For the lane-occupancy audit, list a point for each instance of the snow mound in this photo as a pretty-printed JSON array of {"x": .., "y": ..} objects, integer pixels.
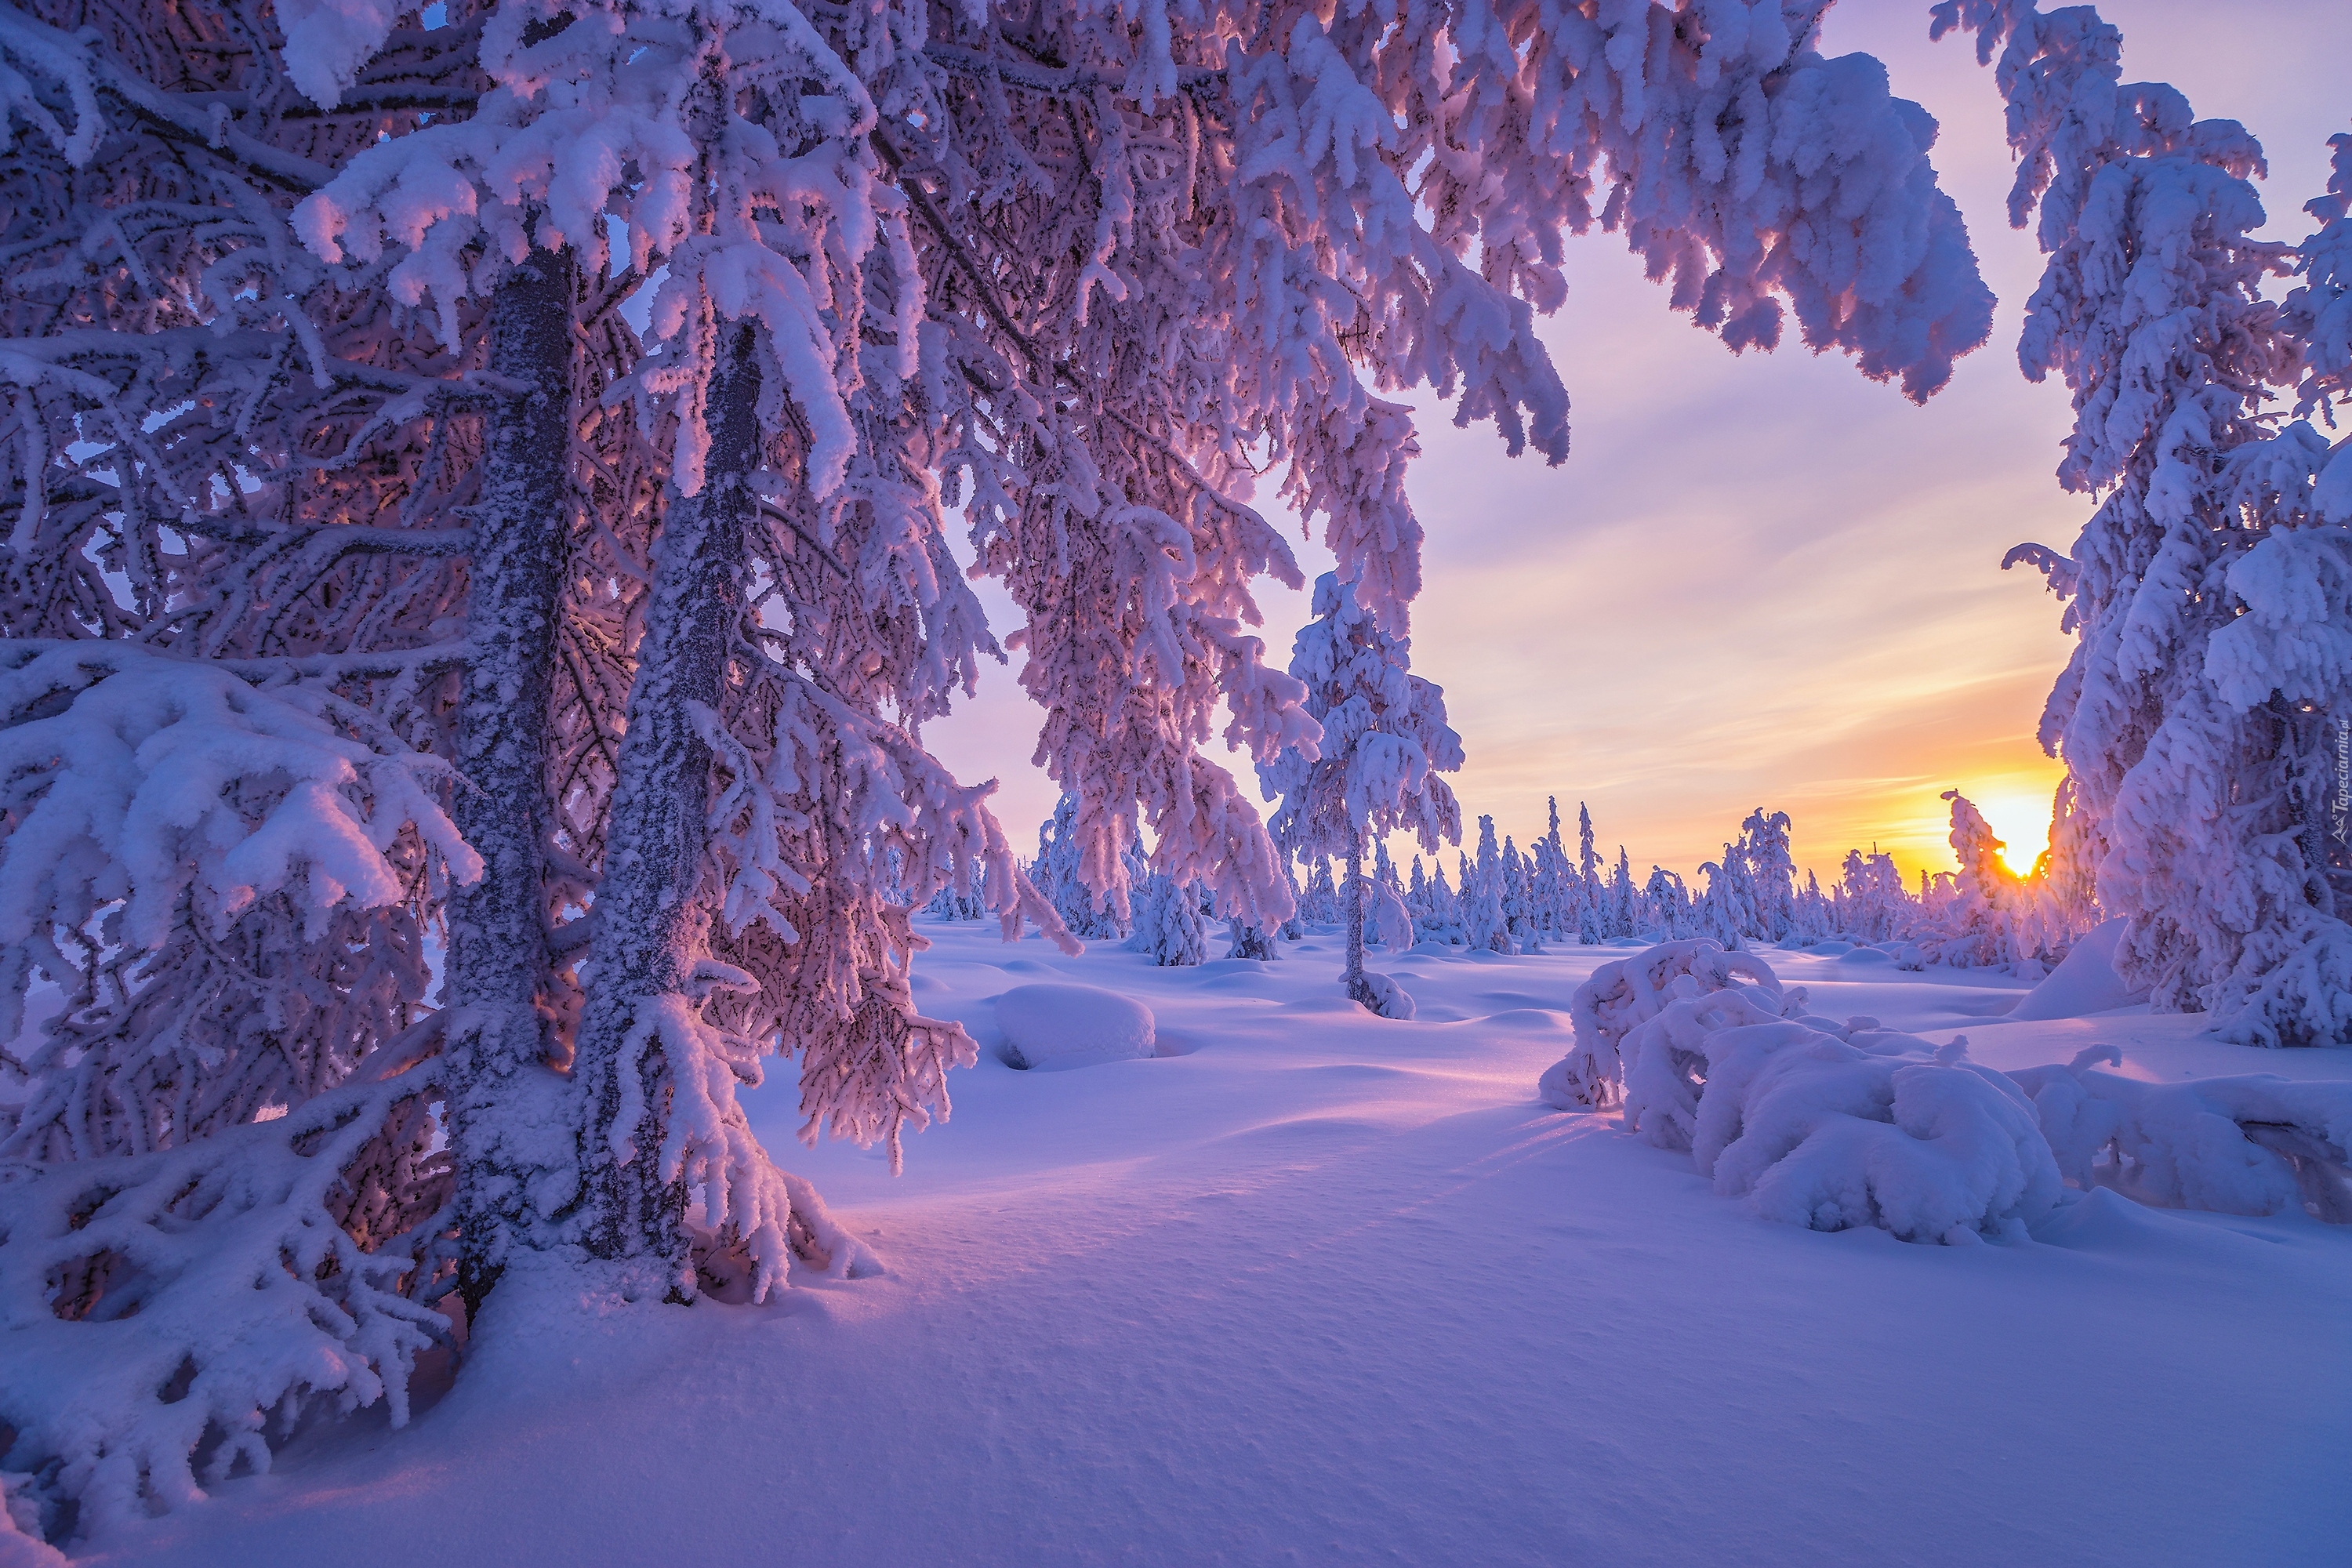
[
  {"x": 1623, "y": 994},
  {"x": 1054, "y": 1027},
  {"x": 2085, "y": 982}
]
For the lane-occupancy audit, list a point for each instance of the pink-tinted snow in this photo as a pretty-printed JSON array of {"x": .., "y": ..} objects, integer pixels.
[{"x": 1312, "y": 1287}]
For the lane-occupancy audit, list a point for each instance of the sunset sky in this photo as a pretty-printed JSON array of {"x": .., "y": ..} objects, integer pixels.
[{"x": 1766, "y": 580}]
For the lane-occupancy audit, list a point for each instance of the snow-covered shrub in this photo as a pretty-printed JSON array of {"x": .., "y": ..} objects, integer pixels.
[
  {"x": 2253, "y": 1145},
  {"x": 1247, "y": 940},
  {"x": 1817, "y": 1123},
  {"x": 1168, "y": 927},
  {"x": 1622, "y": 994},
  {"x": 1386, "y": 999},
  {"x": 1836, "y": 1127},
  {"x": 1663, "y": 1075}
]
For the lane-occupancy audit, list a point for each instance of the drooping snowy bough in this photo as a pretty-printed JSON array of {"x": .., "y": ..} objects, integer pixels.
[{"x": 372, "y": 585}]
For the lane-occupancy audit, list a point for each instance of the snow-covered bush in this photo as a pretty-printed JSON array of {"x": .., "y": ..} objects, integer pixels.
[
  {"x": 1821, "y": 1124},
  {"x": 1627, "y": 993},
  {"x": 1835, "y": 1127},
  {"x": 1244, "y": 940},
  {"x": 2255, "y": 1145}
]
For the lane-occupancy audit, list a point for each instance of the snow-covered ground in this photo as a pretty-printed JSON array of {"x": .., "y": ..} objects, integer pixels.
[{"x": 1315, "y": 1287}]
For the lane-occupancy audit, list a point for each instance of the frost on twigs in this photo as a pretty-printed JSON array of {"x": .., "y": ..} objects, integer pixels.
[
  {"x": 162, "y": 1310},
  {"x": 2252, "y": 1145},
  {"x": 1622, "y": 994},
  {"x": 177, "y": 840}
]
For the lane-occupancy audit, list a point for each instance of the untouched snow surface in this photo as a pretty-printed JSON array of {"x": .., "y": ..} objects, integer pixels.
[{"x": 1313, "y": 1287}]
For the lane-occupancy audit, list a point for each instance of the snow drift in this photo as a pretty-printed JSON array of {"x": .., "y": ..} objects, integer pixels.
[{"x": 2085, "y": 982}]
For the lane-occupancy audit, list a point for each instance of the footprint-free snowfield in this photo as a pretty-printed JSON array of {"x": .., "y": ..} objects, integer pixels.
[{"x": 1311, "y": 1285}]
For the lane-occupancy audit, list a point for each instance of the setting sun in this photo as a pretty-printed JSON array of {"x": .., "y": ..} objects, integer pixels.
[{"x": 2023, "y": 822}]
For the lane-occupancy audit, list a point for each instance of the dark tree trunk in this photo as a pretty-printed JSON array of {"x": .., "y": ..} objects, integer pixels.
[
  {"x": 649, "y": 931},
  {"x": 1358, "y": 988},
  {"x": 497, "y": 1055}
]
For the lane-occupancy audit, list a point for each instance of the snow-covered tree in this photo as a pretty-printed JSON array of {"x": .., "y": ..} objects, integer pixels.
[
  {"x": 1060, "y": 874},
  {"x": 1994, "y": 917},
  {"x": 2193, "y": 718},
  {"x": 1814, "y": 917},
  {"x": 1484, "y": 918},
  {"x": 964, "y": 901},
  {"x": 1385, "y": 740},
  {"x": 1169, "y": 929},
  {"x": 1551, "y": 881},
  {"x": 1321, "y": 902},
  {"x": 1592, "y": 922},
  {"x": 1519, "y": 923},
  {"x": 1870, "y": 902},
  {"x": 1436, "y": 909},
  {"x": 1625, "y": 898},
  {"x": 370, "y": 579},
  {"x": 1669, "y": 902}
]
